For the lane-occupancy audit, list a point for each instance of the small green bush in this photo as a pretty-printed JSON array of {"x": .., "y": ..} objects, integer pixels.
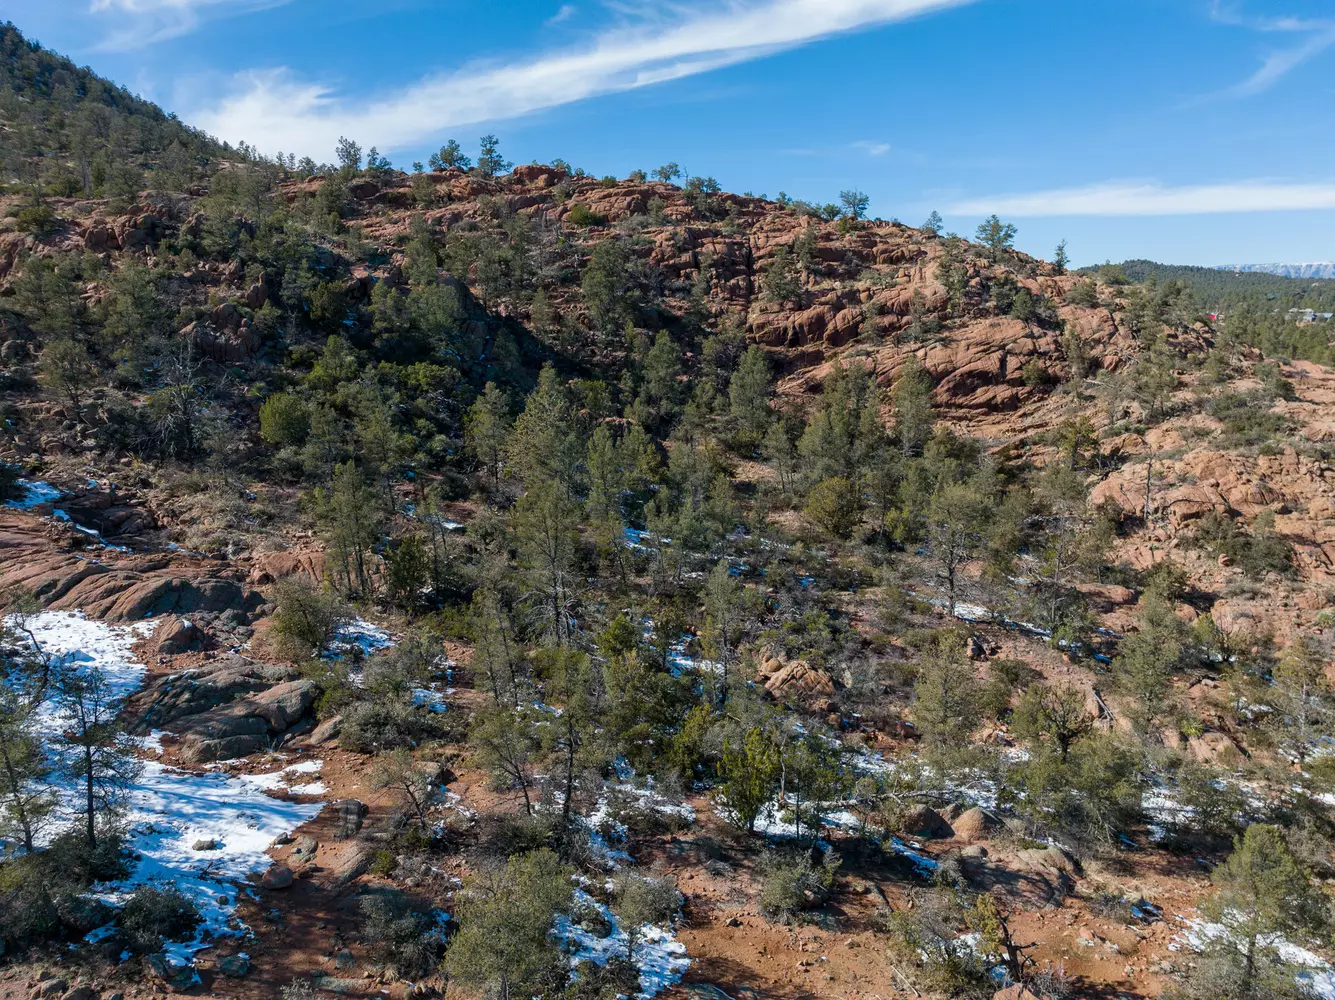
[
  {"x": 835, "y": 506},
  {"x": 1247, "y": 418},
  {"x": 388, "y": 723},
  {"x": 1256, "y": 553},
  {"x": 581, "y": 215},
  {"x": 305, "y": 620},
  {"x": 9, "y": 482},
  {"x": 403, "y": 939},
  {"x": 37, "y": 219},
  {"x": 793, "y": 885},
  {"x": 284, "y": 420},
  {"x": 153, "y": 915}
]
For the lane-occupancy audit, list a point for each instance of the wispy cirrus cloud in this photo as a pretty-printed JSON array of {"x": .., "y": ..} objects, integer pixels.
[
  {"x": 567, "y": 11},
  {"x": 1315, "y": 36},
  {"x": 137, "y": 24},
  {"x": 1148, "y": 198},
  {"x": 275, "y": 109}
]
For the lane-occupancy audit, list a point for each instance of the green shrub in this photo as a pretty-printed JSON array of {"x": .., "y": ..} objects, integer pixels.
[
  {"x": 793, "y": 885},
  {"x": 388, "y": 723},
  {"x": 581, "y": 215},
  {"x": 1247, "y": 418},
  {"x": 36, "y": 219},
  {"x": 9, "y": 482},
  {"x": 403, "y": 940},
  {"x": 153, "y": 915},
  {"x": 1256, "y": 553},
  {"x": 284, "y": 420},
  {"x": 305, "y": 620},
  {"x": 835, "y": 506},
  {"x": 1086, "y": 293}
]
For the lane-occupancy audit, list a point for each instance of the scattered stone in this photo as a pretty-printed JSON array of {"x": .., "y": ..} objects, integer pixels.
[
  {"x": 176, "y": 978},
  {"x": 975, "y": 824},
  {"x": 351, "y": 813},
  {"x": 304, "y": 848},
  {"x": 207, "y": 844},
  {"x": 84, "y": 992},
  {"x": 925, "y": 822},
  {"x": 234, "y": 966},
  {"x": 277, "y": 877}
]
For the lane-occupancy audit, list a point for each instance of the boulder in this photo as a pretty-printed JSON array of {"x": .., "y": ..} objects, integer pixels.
[
  {"x": 226, "y": 316},
  {"x": 99, "y": 238},
  {"x": 351, "y": 813},
  {"x": 926, "y": 823},
  {"x": 176, "y": 635},
  {"x": 1051, "y": 857},
  {"x": 363, "y": 190},
  {"x": 793, "y": 680},
  {"x": 976, "y": 824},
  {"x": 51, "y": 988},
  {"x": 83, "y": 992},
  {"x": 256, "y": 295},
  {"x": 176, "y": 978},
  {"x": 283, "y": 705},
  {"x": 325, "y": 731},
  {"x": 304, "y": 848},
  {"x": 207, "y": 844},
  {"x": 234, "y": 966},
  {"x": 277, "y": 877},
  {"x": 1016, "y": 991},
  {"x": 201, "y": 751}
]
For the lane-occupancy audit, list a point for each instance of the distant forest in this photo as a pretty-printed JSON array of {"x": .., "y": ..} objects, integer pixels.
[{"x": 1216, "y": 290}]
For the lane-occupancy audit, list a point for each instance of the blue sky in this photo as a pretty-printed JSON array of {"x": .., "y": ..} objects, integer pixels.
[{"x": 1187, "y": 131}]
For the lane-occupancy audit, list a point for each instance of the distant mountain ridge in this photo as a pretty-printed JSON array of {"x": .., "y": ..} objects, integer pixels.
[{"x": 1316, "y": 269}]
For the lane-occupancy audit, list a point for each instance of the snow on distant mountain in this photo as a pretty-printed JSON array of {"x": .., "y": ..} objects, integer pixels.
[{"x": 1318, "y": 269}]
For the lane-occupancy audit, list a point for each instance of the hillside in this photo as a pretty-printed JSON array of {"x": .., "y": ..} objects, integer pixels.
[
  {"x": 504, "y": 580},
  {"x": 1315, "y": 269}
]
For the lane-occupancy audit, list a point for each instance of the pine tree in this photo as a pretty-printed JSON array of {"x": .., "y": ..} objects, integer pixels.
[
  {"x": 351, "y": 518},
  {"x": 750, "y": 772},
  {"x": 91, "y": 744},
  {"x": 945, "y": 696},
  {"x": 1059, "y": 258},
  {"x": 1263, "y": 897},
  {"x": 486, "y": 429},
  {"x": 1302, "y": 698},
  {"x": 543, "y": 446},
  {"x": 26, "y": 798},
  {"x": 911, "y": 397},
  {"x": 505, "y": 917},
  {"x": 748, "y": 395}
]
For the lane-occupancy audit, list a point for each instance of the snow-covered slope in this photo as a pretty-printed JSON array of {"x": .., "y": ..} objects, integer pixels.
[{"x": 1316, "y": 269}]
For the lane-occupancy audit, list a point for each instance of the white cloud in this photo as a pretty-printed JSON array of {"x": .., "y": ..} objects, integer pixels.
[
  {"x": 1150, "y": 198},
  {"x": 140, "y": 23},
  {"x": 1276, "y": 64},
  {"x": 274, "y": 109},
  {"x": 872, "y": 148},
  {"x": 567, "y": 11}
]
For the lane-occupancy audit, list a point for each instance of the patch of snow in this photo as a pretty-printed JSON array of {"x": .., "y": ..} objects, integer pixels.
[
  {"x": 167, "y": 810},
  {"x": 35, "y": 493},
  {"x": 432, "y": 699},
  {"x": 288, "y": 779},
  {"x": 659, "y": 956},
  {"x": 1317, "y": 974},
  {"x": 358, "y": 634}
]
